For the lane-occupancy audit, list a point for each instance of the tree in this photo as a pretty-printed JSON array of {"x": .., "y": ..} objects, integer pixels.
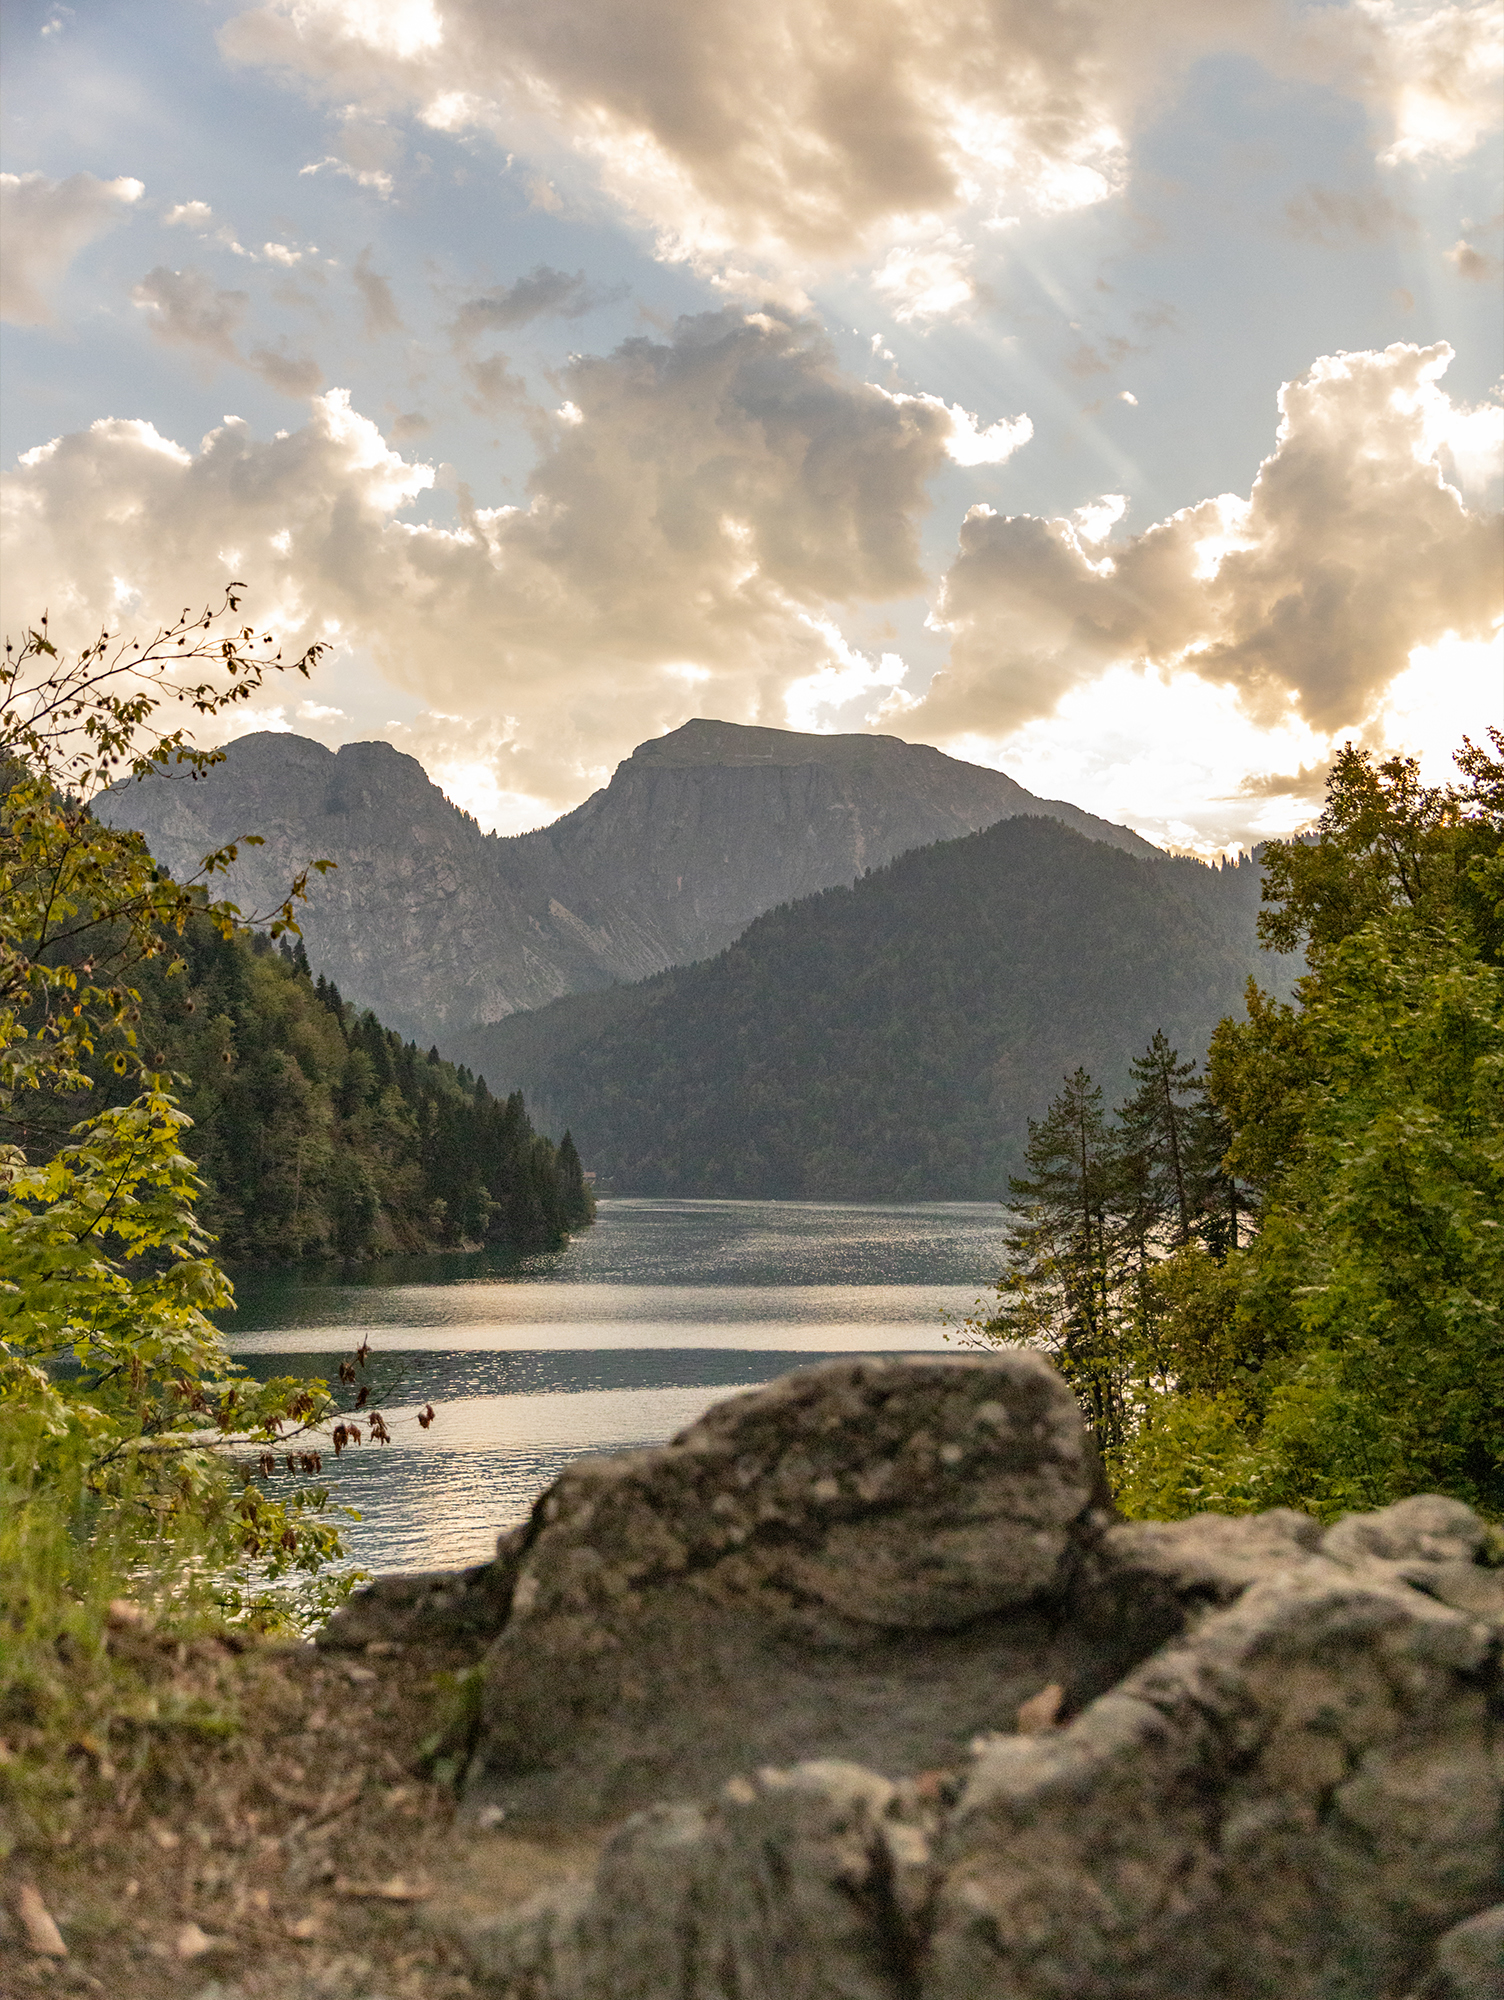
[
  {"x": 1060, "y": 1289},
  {"x": 118, "y": 1399},
  {"x": 1156, "y": 1124},
  {"x": 1344, "y": 1346},
  {"x": 1353, "y": 1350}
]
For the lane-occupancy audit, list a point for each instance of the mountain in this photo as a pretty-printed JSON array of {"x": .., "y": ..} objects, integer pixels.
[
  {"x": 890, "y": 1040},
  {"x": 436, "y": 925}
]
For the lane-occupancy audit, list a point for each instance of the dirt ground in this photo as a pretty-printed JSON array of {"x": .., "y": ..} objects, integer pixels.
[{"x": 305, "y": 1854}]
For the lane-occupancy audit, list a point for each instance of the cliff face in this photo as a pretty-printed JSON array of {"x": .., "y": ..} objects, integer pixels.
[
  {"x": 437, "y": 925},
  {"x": 703, "y": 830}
]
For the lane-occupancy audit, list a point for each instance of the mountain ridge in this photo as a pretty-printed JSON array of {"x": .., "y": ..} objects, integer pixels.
[
  {"x": 891, "y": 1039},
  {"x": 438, "y": 926}
]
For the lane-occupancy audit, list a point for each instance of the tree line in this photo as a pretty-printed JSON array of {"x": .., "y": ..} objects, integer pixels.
[
  {"x": 319, "y": 1132},
  {"x": 1279, "y": 1280}
]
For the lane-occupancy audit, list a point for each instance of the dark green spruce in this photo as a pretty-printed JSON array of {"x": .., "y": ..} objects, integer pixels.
[{"x": 319, "y": 1132}]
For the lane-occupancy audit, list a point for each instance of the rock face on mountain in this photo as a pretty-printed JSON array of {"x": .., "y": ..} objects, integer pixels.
[
  {"x": 437, "y": 925},
  {"x": 920, "y": 1720}
]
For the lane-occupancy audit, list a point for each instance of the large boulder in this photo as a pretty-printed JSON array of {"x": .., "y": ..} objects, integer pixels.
[
  {"x": 857, "y": 1561},
  {"x": 1296, "y": 1797},
  {"x": 891, "y": 1706}
]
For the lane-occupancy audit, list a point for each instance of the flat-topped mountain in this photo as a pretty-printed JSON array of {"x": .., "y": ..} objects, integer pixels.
[{"x": 437, "y": 925}]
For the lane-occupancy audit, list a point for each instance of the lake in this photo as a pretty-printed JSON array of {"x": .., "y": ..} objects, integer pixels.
[{"x": 620, "y": 1339}]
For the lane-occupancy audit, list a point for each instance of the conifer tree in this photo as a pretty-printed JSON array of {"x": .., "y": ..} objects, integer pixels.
[
  {"x": 1061, "y": 1286},
  {"x": 1156, "y": 1122}
]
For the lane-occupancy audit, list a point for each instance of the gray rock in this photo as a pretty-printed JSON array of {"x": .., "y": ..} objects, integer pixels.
[
  {"x": 427, "y": 1605},
  {"x": 1469, "y": 1961},
  {"x": 1428, "y": 1528},
  {"x": 1295, "y": 1798},
  {"x": 1298, "y": 1797},
  {"x": 863, "y": 1557},
  {"x": 1212, "y": 1557},
  {"x": 1277, "y": 1768},
  {"x": 809, "y": 1884}
]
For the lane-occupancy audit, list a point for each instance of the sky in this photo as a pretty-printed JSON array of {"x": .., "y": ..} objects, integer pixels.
[{"x": 1103, "y": 390}]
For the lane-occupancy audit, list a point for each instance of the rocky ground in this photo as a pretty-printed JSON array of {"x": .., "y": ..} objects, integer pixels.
[
  {"x": 295, "y": 1857},
  {"x": 857, "y": 1688}
]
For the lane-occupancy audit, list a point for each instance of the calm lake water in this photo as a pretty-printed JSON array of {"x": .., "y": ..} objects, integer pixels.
[{"x": 618, "y": 1340}]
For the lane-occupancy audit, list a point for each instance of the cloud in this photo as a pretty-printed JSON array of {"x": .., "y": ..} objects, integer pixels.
[
  {"x": 1435, "y": 72},
  {"x": 45, "y": 224},
  {"x": 291, "y": 374},
  {"x": 794, "y": 129},
  {"x": 542, "y": 294},
  {"x": 1308, "y": 783},
  {"x": 381, "y": 311},
  {"x": 189, "y": 215},
  {"x": 1085, "y": 360},
  {"x": 684, "y": 548},
  {"x": 1332, "y": 216},
  {"x": 929, "y": 281},
  {"x": 1469, "y": 262},
  {"x": 811, "y": 130},
  {"x": 968, "y": 444},
  {"x": 493, "y": 387},
  {"x": 1310, "y": 596},
  {"x": 187, "y": 309},
  {"x": 372, "y": 178}
]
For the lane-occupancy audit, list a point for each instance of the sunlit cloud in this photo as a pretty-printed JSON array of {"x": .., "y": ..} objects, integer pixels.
[
  {"x": 45, "y": 224},
  {"x": 704, "y": 510},
  {"x": 749, "y": 138},
  {"x": 1351, "y": 549}
]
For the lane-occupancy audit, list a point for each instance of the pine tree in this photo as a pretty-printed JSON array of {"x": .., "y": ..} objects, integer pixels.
[
  {"x": 1061, "y": 1287},
  {"x": 1157, "y": 1123}
]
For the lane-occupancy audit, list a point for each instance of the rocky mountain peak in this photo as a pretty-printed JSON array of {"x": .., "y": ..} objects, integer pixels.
[{"x": 437, "y": 925}]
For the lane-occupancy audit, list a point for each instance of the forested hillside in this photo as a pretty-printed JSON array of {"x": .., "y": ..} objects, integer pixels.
[
  {"x": 435, "y": 924},
  {"x": 891, "y": 1040},
  {"x": 319, "y": 1131}
]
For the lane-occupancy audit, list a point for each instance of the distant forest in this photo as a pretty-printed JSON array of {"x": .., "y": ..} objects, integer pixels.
[
  {"x": 320, "y": 1132},
  {"x": 892, "y": 1040}
]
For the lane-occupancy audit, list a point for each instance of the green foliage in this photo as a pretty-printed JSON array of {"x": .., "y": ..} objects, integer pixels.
[
  {"x": 137, "y": 1460},
  {"x": 130, "y": 1444},
  {"x": 318, "y": 1132},
  {"x": 83, "y": 904},
  {"x": 1351, "y": 1350},
  {"x": 114, "y": 1385},
  {"x": 1102, "y": 1229},
  {"x": 888, "y": 1041}
]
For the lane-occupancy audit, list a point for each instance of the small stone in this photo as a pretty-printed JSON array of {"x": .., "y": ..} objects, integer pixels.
[
  {"x": 191, "y": 1942},
  {"x": 396, "y": 1889},
  {"x": 1041, "y": 1711},
  {"x": 1470, "y": 1960},
  {"x": 42, "y": 1933}
]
